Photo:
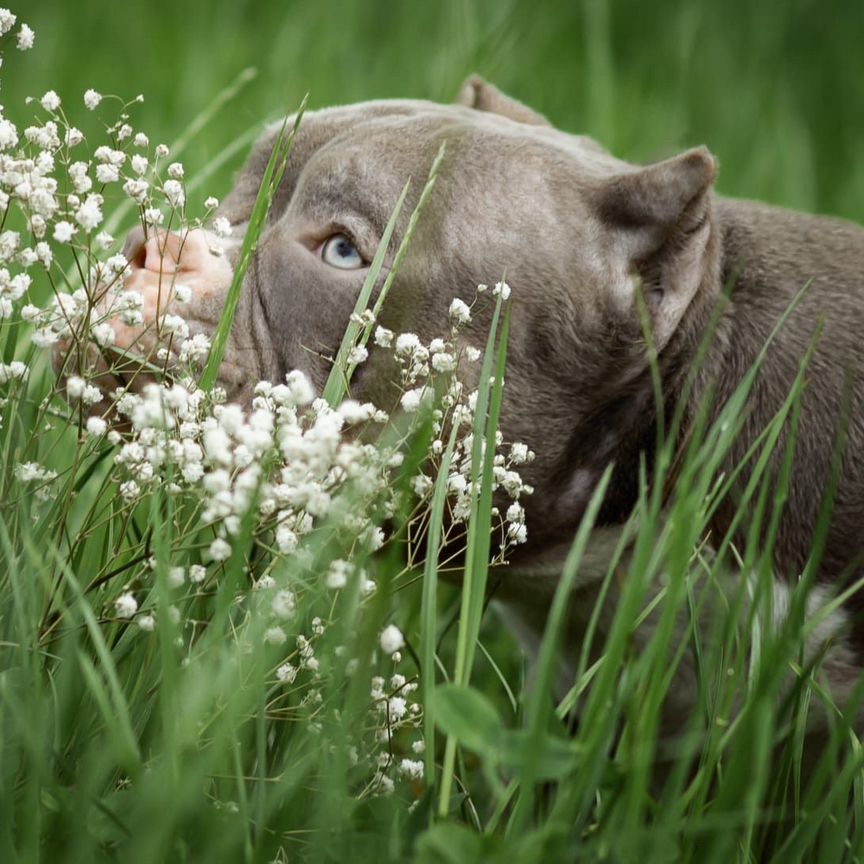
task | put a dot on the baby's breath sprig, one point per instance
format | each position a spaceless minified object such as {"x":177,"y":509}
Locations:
{"x":301,"y":490}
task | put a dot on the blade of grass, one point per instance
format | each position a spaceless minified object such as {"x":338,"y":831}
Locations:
{"x":540,"y":706}
{"x":429,"y":608}
{"x":263,"y":201}
{"x":342,"y":371}
{"x":337,"y":381}
{"x":479,"y":539}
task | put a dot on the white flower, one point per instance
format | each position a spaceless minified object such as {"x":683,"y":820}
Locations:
{"x":407,"y":343}
{"x":457,"y":483}
{"x":73,"y":137}
{"x":412,"y":399}
{"x":173,"y":190}
{"x":147,"y":623}
{"x":75,"y":386}
{"x":8,"y":134}
{"x":195,"y":348}
{"x":14,"y":371}
{"x":355,"y":412}
{"x":107,"y":173}
{"x":89,"y":214}
{"x":374,"y":540}
{"x":459,"y":311}
{"x":154,"y":216}
{"x":7,"y":21}
{"x":517,"y":532}
{"x":284,"y":604}
{"x":30,"y":471}
{"x":9,"y":243}
{"x":126,"y":605}
{"x":50,"y":101}
{"x":63,"y":231}
{"x":175,"y":170}
{"x":91,"y":395}
{"x":443,"y":362}
{"x":501,"y":288}
{"x":116,"y":263}
{"x":275,"y":636}
{"x":411,"y":768}
{"x":104,"y":153}
{"x":45,"y":338}
{"x":265,"y":583}
{"x":139,"y":164}
{"x":383,"y":785}
{"x":130,"y":490}
{"x":337,"y":574}
{"x":92,"y":99}
{"x":286,"y":539}
{"x":211,"y":203}
{"x":174,"y":324}
{"x":141,"y":140}
{"x":96,"y":426}
{"x":396,"y":707}
{"x":222,"y":227}
{"x":78,"y":174}
{"x":135,"y":189}
{"x":161,"y":150}
{"x":515,"y":513}
{"x":391,"y":639}
{"x":383,"y":337}
{"x":421,"y":484}
{"x":197,"y":573}
{"x":357,"y":355}
{"x":301,"y":389}
{"x":182,"y":293}
{"x":25,"y":39}
{"x":176,"y":576}
{"x":286,"y":673}
{"x":220,"y":550}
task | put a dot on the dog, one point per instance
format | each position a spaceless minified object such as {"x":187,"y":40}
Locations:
{"x":600,"y":254}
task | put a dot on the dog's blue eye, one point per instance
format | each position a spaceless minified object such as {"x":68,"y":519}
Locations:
{"x":340,"y":252}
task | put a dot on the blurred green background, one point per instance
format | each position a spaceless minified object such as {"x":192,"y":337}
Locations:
{"x":775,"y":89}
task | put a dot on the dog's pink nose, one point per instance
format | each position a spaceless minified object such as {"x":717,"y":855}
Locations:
{"x":173,"y":272}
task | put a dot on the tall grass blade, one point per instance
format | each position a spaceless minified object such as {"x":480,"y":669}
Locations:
{"x":263,"y":201}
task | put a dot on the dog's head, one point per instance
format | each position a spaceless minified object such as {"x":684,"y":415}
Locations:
{"x":582,"y":237}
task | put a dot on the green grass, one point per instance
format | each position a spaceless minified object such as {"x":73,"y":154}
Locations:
{"x":117,"y":744}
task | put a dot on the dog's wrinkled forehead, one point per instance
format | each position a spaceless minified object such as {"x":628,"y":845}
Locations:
{"x":368,"y":150}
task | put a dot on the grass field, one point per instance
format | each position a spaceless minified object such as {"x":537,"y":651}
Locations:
{"x":259,"y":705}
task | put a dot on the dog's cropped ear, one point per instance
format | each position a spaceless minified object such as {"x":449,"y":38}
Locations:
{"x":660,"y":220}
{"x":480,"y":94}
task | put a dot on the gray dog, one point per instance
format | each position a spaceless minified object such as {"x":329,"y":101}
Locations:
{"x":579,"y":234}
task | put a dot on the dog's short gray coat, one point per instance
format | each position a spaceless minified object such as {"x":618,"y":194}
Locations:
{"x":579,"y":233}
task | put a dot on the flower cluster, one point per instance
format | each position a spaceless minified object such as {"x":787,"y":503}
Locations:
{"x":54,"y":191}
{"x":297,"y":494}
{"x":24,"y":38}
